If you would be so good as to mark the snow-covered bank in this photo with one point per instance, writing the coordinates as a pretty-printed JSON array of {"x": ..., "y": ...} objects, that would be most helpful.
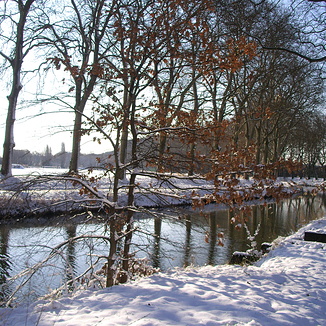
[
  {"x": 38, "y": 191},
  {"x": 287, "y": 287}
]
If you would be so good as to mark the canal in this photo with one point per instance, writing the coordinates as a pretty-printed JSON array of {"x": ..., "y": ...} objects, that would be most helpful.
[{"x": 166, "y": 238}]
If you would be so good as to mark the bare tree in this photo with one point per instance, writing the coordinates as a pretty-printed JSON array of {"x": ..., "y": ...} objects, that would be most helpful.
[
  {"x": 308, "y": 21},
  {"x": 16, "y": 15},
  {"x": 75, "y": 42}
]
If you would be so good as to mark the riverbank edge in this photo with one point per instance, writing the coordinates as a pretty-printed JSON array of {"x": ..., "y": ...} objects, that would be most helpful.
[{"x": 61, "y": 199}]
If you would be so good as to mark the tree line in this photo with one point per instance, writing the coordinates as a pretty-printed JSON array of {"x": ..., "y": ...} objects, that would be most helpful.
[{"x": 208, "y": 74}]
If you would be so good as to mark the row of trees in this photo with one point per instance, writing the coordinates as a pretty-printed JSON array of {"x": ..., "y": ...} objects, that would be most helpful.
[{"x": 199, "y": 71}]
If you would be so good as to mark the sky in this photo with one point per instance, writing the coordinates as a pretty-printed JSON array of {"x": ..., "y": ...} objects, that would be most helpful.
[
  {"x": 38, "y": 126},
  {"x": 42, "y": 125},
  {"x": 34, "y": 134}
]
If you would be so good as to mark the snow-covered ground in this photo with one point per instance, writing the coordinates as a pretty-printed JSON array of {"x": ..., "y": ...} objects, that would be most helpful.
[{"x": 286, "y": 287}]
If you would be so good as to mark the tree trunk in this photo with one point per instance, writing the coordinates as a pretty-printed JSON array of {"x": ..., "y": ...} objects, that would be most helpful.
[
  {"x": 195, "y": 111},
  {"x": 258, "y": 143},
  {"x": 81, "y": 98},
  {"x": 161, "y": 151},
  {"x": 266, "y": 151},
  {"x": 9, "y": 143},
  {"x": 16, "y": 64},
  {"x": 127, "y": 242},
  {"x": 123, "y": 148},
  {"x": 131, "y": 197},
  {"x": 127, "y": 102},
  {"x": 110, "y": 270},
  {"x": 75, "y": 153}
]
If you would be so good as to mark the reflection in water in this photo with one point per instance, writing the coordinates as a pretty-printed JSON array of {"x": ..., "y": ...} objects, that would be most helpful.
[
  {"x": 157, "y": 236},
  {"x": 71, "y": 256},
  {"x": 265, "y": 223},
  {"x": 212, "y": 238},
  {"x": 188, "y": 242},
  {"x": 175, "y": 241},
  {"x": 4, "y": 264}
]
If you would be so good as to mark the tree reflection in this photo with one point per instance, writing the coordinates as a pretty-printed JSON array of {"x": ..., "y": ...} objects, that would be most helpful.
[
  {"x": 187, "y": 260},
  {"x": 71, "y": 256},
  {"x": 4, "y": 264},
  {"x": 157, "y": 240},
  {"x": 212, "y": 239}
]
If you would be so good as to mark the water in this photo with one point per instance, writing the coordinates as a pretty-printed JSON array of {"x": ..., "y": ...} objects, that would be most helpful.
[{"x": 183, "y": 237}]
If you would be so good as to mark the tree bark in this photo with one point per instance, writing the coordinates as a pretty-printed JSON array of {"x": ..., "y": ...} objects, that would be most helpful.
[
  {"x": 16, "y": 64},
  {"x": 75, "y": 153}
]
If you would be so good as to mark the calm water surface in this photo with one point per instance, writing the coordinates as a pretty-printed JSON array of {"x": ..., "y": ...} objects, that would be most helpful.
[{"x": 183, "y": 237}]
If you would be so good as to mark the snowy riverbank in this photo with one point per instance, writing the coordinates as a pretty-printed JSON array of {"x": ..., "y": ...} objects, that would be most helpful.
[
  {"x": 35, "y": 191},
  {"x": 287, "y": 287}
]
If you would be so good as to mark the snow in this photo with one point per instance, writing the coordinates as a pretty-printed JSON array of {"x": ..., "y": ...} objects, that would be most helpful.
[
  {"x": 286, "y": 287},
  {"x": 46, "y": 191}
]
